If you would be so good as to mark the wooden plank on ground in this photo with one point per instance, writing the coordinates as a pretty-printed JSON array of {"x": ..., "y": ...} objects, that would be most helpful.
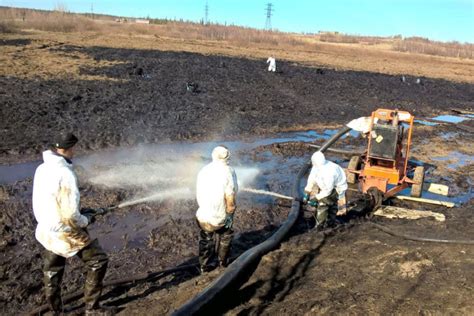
[
  {"x": 436, "y": 188},
  {"x": 462, "y": 111},
  {"x": 422, "y": 200},
  {"x": 398, "y": 212}
]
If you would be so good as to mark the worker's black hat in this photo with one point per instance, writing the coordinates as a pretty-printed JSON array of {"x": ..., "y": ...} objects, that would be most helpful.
[{"x": 65, "y": 141}]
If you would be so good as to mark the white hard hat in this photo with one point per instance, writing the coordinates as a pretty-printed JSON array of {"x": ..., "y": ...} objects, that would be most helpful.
[
  {"x": 317, "y": 159},
  {"x": 220, "y": 153}
]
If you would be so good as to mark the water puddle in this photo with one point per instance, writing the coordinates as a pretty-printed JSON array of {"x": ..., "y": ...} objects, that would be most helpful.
[
  {"x": 124, "y": 231},
  {"x": 9, "y": 174},
  {"x": 445, "y": 119},
  {"x": 154, "y": 168},
  {"x": 457, "y": 199},
  {"x": 133, "y": 229},
  {"x": 455, "y": 160},
  {"x": 450, "y": 118},
  {"x": 427, "y": 123},
  {"x": 148, "y": 169},
  {"x": 449, "y": 135}
]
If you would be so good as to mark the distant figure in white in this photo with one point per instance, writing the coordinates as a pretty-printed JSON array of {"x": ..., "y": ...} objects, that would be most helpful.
[{"x": 271, "y": 64}]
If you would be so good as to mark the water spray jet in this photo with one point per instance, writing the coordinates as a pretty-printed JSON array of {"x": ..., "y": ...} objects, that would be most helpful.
[
  {"x": 264, "y": 192},
  {"x": 179, "y": 193}
]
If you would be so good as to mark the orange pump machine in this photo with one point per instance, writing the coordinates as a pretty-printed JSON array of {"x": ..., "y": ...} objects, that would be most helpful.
[{"x": 384, "y": 165}]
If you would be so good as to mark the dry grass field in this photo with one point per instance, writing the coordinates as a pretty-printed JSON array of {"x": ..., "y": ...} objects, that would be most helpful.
[{"x": 338, "y": 51}]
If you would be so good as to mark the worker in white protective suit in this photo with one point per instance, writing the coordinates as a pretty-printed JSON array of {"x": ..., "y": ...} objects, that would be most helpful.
[
  {"x": 216, "y": 189},
  {"x": 61, "y": 228},
  {"x": 271, "y": 64},
  {"x": 327, "y": 184}
]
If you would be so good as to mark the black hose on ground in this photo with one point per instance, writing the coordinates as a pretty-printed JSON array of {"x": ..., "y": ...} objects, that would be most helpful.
[
  {"x": 334, "y": 138},
  {"x": 338, "y": 151},
  {"x": 236, "y": 271},
  {"x": 414, "y": 238}
]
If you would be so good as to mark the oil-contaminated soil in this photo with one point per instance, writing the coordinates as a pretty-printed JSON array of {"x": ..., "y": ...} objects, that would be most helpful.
[{"x": 126, "y": 97}]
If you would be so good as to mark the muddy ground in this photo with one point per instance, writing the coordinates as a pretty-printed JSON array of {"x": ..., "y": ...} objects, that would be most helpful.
[
  {"x": 136, "y": 96},
  {"x": 120, "y": 97}
]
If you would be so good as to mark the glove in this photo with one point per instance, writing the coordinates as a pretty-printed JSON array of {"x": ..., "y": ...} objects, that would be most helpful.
[
  {"x": 313, "y": 203},
  {"x": 341, "y": 206},
  {"x": 305, "y": 198},
  {"x": 100, "y": 211},
  {"x": 89, "y": 213},
  {"x": 229, "y": 220}
]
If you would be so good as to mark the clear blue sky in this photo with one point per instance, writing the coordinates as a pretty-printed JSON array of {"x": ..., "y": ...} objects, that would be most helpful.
[{"x": 444, "y": 20}]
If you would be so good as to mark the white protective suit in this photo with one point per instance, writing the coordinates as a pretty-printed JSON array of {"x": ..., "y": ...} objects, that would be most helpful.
[
  {"x": 361, "y": 124},
  {"x": 215, "y": 182},
  {"x": 327, "y": 176},
  {"x": 271, "y": 64},
  {"x": 56, "y": 207}
]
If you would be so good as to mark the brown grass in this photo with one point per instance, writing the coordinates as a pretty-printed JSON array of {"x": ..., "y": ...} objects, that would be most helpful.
[
  {"x": 417, "y": 45},
  {"x": 352, "y": 39},
  {"x": 376, "y": 56},
  {"x": 61, "y": 21},
  {"x": 49, "y": 21},
  {"x": 424, "y": 46},
  {"x": 13, "y": 19},
  {"x": 7, "y": 27}
]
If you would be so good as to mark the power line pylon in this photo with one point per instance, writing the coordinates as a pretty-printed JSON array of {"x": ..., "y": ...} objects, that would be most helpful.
[
  {"x": 206, "y": 13},
  {"x": 268, "y": 22}
]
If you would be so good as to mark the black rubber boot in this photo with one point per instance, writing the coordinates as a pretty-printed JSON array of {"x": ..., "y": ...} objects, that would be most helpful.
[
  {"x": 53, "y": 271},
  {"x": 332, "y": 219},
  {"x": 225, "y": 242},
  {"x": 95, "y": 261},
  {"x": 206, "y": 250},
  {"x": 321, "y": 214}
]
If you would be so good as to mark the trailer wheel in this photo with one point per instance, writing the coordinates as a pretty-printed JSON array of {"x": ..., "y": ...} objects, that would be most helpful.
[
  {"x": 354, "y": 164},
  {"x": 375, "y": 197},
  {"x": 419, "y": 178}
]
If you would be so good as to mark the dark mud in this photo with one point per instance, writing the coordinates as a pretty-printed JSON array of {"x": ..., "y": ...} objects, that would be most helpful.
[
  {"x": 118, "y": 105},
  {"x": 157, "y": 235},
  {"x": 355, "y": 270}
]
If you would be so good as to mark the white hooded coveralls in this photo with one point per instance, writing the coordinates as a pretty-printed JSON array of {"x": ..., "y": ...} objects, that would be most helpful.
[
  {"x": 327, "y": 176},
  {"x": 215, "y": 181},
  {"x": 272, "y": 64},
  {"x": 56, "y": 207}
]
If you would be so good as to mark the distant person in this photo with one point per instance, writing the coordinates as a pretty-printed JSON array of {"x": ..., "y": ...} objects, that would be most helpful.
[
  {"x": 216, "y": 189},
  {"x": 61, "y": 228},
  {"x": 271, "y": 64},
  {"x": 330, "y": 180}
]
